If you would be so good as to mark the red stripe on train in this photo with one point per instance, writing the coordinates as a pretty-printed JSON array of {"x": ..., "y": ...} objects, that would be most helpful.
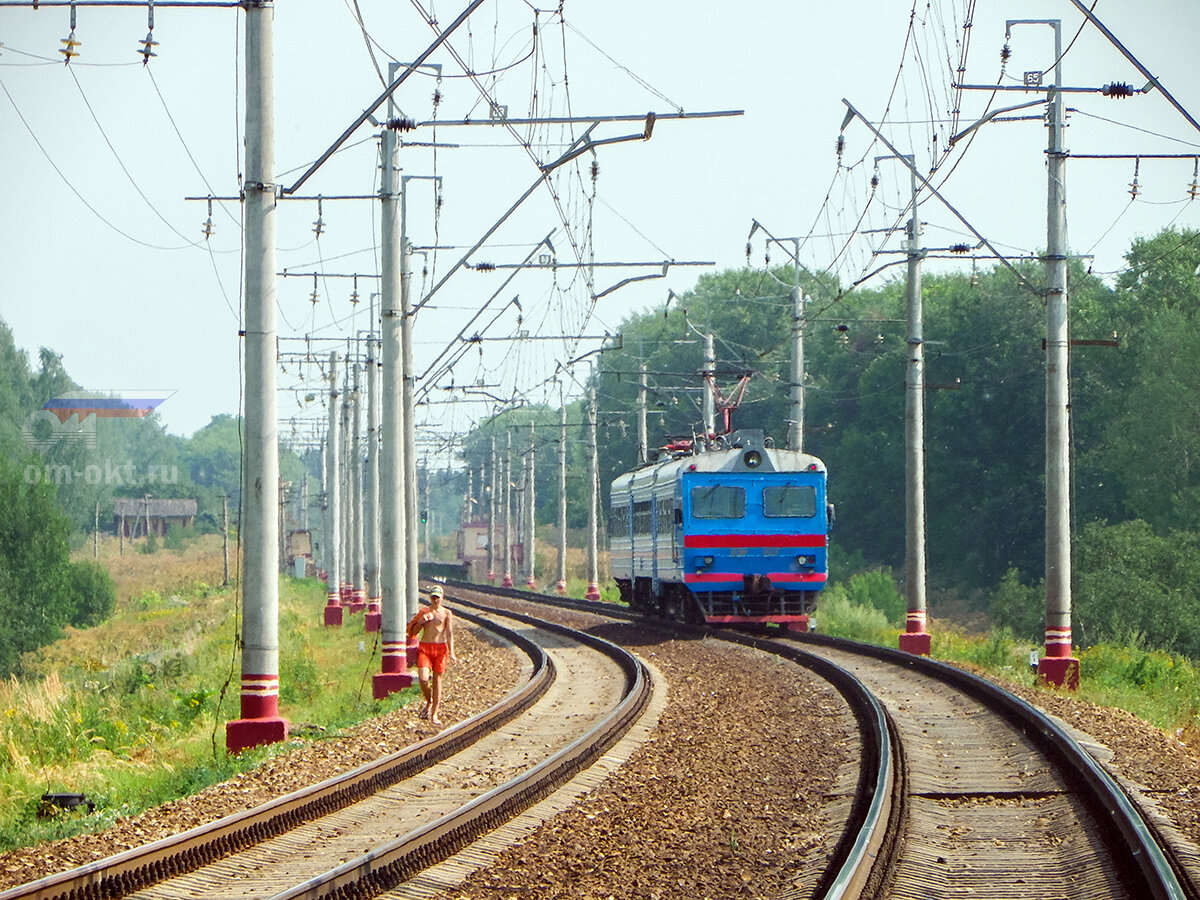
[
  {"x": 755, "y": 540},
  {"x": 734, "y": 577}
]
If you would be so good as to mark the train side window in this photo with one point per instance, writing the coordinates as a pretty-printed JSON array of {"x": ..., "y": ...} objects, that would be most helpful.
[
  {"x": 790, "y": 501},
  {"x": 641, "y": 517},
  {"x": 718, "y": 501}
]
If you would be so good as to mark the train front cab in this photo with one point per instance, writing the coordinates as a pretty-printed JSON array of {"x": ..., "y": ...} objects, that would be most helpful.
[{"x": 754, "y": 544}]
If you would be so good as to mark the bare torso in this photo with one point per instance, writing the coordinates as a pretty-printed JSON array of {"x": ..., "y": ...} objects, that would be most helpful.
[{"x": 435, "y": 625}]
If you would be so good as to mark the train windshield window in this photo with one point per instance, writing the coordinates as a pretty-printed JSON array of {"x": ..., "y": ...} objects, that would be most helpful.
[
  {"x": 790, "y": 501},
  {"x": 717, "y": 501}
]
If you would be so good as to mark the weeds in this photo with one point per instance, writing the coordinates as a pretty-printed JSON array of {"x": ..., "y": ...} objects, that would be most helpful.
[{"x": 131, "y": 727}]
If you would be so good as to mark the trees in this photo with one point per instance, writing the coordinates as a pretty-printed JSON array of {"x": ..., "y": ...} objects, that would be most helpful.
[{"x": 35, "y": 572}]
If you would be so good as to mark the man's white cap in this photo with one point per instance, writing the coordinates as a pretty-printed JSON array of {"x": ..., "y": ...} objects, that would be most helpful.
[{"x": 436, "y": 591}]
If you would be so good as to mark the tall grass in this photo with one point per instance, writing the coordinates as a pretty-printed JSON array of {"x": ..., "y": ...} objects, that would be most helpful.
[
  {"x": 1159, "y": 687},
  {"x": 132, "y": 712}
]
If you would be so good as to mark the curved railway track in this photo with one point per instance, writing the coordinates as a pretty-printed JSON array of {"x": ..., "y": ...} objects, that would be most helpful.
[
  {"x": 368, "y": 830},
  {"x": 962, "y": 789},
  {"x": 967, "y": 791},
  {"x": 998, "y": 800}
]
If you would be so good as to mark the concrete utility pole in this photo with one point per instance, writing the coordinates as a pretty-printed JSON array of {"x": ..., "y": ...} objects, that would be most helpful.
[
  {"x": 643, "y": 455},
  {"x": 1058, "y": 666},
  {"x": 710, "y": 379},
  {"x": 224, "y": 537},
  {"x": 333, "y": 504},
  {"x": 371, "y": 536},
  {"x": 561, "y": 587},
  {"x": 281, "y": 527},
  {"x": 593, "y": 558},
  {"x": 507, "y": 581},
  {"x": 795, "y": 425},
  {"x": 915, "y": 638},
  {"x": 530, "y": 536},
  {"x": 494, "y": 468},
  {"x": 260, "y": 722},
  {"x": 347, "y": 489},
  {"x": 393, "y": 553},
  {"x": 795, "y": 436},
  {"x": 425, "y": 513},
  {"x": 409, "y": 418},
  {"x": 358, "y": 591}
]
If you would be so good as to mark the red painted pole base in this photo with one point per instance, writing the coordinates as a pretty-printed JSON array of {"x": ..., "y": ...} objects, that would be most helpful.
[
  {"x": 561, "y": 587},
  {"x": 530, "y": 583},
  {"x": 1060, "y": 671},
  {"x": 385, "y": 684},
  {"x": 916, "y": 643},
  {"x": 593, "y": 591},
  {"x": 410, "y": 654},
  {"x": 492, "y": 577},
  {"x": 333, "y": 615},
  {"x": 241, "y": 734},
  {"x": 507, "y": 582},
  {"x": 358, "y": 601},
  {"x": 372, "y": 622}
]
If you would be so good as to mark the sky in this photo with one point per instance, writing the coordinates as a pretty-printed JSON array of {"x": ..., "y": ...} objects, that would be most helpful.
[{"x": 105, "y": 260}]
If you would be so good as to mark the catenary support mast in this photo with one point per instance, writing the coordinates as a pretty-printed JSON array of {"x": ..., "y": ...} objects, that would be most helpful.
[
  {"x": 1058, "y": 666},
  {"x": 260, "y": 722},
  {"x": 393, "y": 556}
]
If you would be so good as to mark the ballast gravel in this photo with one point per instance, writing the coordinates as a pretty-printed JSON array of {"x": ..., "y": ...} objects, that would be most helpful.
[{"x": 731, "y": 797}]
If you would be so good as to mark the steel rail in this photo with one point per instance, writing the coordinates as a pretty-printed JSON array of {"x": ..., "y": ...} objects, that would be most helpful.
[
  {"x": 384, "y": 867},
  {"x": 1149, "y": 855},
  {"x": 854, "y": 868},
  {"x": 1114, "y": 804},
  {"x": 134, "y": 869}
]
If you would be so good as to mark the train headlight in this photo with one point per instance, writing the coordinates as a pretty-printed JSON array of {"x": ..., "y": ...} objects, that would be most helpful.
[
  {"x": 806, "y": 560},
  {"x": 752, "y": 459}
]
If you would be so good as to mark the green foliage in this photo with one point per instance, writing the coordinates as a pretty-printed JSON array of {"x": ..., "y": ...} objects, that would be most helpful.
[
  {"x": 175, "y": 537},
  {"x": 1132, "y": 580},
  {"x": 150, "y": 545},
  {"x": 1018, "y": 607},
  {"x": 92, "y": 591},
  {"x": 838, "y": 615},
  {"x": 877, "y": 589},
  {"x": 35, "y": 600}
]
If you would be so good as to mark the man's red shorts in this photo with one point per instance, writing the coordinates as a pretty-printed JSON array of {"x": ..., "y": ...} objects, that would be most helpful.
[{"x": 432, "y": 656}]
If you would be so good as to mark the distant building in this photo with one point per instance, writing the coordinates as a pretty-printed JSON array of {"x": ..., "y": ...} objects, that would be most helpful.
[
  {"x": 135, "y": 517},
  {"x": 473, "y": 541}
]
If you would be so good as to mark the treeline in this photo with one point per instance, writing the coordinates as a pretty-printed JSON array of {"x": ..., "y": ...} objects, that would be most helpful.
[
  {"x": 57, "y": 478},
  {"x": 1135, "y": 426}
]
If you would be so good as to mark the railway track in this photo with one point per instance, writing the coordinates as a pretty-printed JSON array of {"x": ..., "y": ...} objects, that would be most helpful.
[
  {"x": 997, "y": 800},
  {"x": 967, "y": 791},
  {"x": 368, "y": 830}
]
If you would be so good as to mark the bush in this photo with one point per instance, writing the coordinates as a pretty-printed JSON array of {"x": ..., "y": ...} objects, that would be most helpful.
[
  {"x": 93, "y": 593},
  {"x": 174, "y": 539},
  {"x": 839, "y": 616},
  {"x": 877, "y": 589},
  {"x": 1018, "y": 607}
]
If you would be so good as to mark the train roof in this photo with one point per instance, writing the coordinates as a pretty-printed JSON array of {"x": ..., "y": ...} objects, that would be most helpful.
[{"x": 742, "y": 451}]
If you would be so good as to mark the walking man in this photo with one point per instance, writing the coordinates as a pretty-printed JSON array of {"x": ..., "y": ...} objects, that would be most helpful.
[{"x": 435, "y": 650}]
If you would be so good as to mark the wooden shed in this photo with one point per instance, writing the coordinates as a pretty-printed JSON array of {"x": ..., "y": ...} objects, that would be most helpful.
[{"x": 135, "y": 517}]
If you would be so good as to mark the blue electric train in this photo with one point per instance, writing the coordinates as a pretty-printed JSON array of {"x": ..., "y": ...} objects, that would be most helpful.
[{"x": 736, "y": 532}]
